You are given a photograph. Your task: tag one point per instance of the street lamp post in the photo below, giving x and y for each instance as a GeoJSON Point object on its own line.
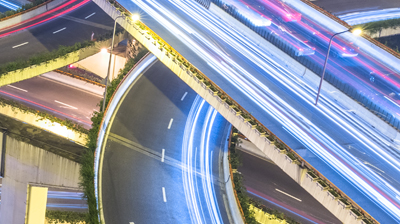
{"type": "Point", "coordinates": [355, 32]}
{"type": "Point", "coordinates": [109, 63]}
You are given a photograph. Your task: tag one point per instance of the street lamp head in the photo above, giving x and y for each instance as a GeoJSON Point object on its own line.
{"type": "Point", "coordinates": [103, 50]}
{"type": "Point", "coordinates": [135, 17]}
{"type": "Point", "coordinates": [356, 31]}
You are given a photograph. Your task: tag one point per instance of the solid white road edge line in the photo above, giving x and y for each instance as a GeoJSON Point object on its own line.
{"type": "Point", "coordinates": [287, 194]}
{"type": "Point", "coordinates": [162, 155]}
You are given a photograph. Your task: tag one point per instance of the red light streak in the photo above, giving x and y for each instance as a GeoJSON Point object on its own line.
{"type": "Point", "coordinates": [43, 106]}
{"type": "Point", "coordinates": [48, 19]}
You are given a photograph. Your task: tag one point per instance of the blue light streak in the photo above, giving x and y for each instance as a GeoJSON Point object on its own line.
{"type": "Point", "coordinates": [9, 5]}
{"type": "Point", "coordinates": [273, 104]}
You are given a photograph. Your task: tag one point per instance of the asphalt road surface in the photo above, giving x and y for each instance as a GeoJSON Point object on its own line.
{"type": "Point", "coordinates": [133, 174]}
{"type": "Point", "coordinates": [260, 89]}
{"type": "Point", "coordinates": [267, 183]}
{"type": "Point", "coordinates": [57, 98]}
{"type": "Point", "coordinates": [339, 7]}
{"type": "Point", "coordinates": [137, 184]}
{"type": "Point", "coordinates": [3, 9]}
{"type": "Point", "coordinates": [66, 30]}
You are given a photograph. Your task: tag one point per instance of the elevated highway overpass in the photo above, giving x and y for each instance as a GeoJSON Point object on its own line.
{"type": "Point", "coordinates": [222, 60]}
{"type": "Point", "coordinates": [190, 136]}
{"type": "Point", "coordinates": [219, 80]}
{"type": "Point", "coordinates": [340, 7]}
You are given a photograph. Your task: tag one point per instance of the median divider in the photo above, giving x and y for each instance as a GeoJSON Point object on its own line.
{"type": "Point", "coordinates": [286, 158]}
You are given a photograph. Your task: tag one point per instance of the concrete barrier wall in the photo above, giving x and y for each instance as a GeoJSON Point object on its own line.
{"type": "Point", "coordinates": [29, 15]}
{"type": "Point", "coordinates": [35, 70]}
{"type": "Point", "coordinates": [292, 168]}
{"type": "Point", "coordinates": [42, 123]}
{"type": "Point", "coordinates": [385, 32]}
{"type": "Point", "coordinates": [26, 164]}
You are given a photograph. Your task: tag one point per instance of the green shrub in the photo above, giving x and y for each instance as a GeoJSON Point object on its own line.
{"type": "Point", "coordinates": [312, 174]}
{"type": "Point", "coordinates": [377, 26]}
{"type": "Point", "coordinates": [66, 216]}
{"type": "Point", "coordinates": [290, 154]}
{"type": "Point", "coordinates": [22, 8]}
{"type": "Point", "coordinates": [25, 109]}
{"type": "Point", "coordinates": [323, 183]}
{"type": "Point", "coordinates": [356, 212]}
{"type": "Point", "coordinates": [334, 193]}
{"type": "Point", "coordinates": [62, 51]}
{"type": "Point", "coordinates": [276, 213]}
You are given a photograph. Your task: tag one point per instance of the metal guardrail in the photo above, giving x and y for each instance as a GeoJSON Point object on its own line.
{"type": "Point", "coordinates": [264, 131]}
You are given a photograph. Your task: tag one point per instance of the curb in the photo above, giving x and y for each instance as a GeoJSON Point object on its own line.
{"type": "Point", "coordinates": [233, 201]}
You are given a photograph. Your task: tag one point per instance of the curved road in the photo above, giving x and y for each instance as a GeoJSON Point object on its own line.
{"type": "Point", "coordinates": [150, 172]}
{"type": "Point", "coordinates": [332, 143]}
{"type": "Point", "coordinates": [134, 174]}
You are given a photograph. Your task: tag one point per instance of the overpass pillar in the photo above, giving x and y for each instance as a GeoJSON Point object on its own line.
{"type": "Point", "coordinates": [27, 165]}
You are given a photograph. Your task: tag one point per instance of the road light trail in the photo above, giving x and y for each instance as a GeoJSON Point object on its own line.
{"type": "Point", "coordinates": [231, 71]}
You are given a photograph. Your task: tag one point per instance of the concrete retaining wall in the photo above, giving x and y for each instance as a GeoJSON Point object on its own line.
{"type": "Point", "coordinates": [29, 15]}
{"type": "Point", "coordinates": [386, 32]}
{"type": "Point", "coordinates": [42, 123]}
{"type": "Point", "coordinates": [35, 70]}
{"type": "Point", "coordinates": [26, 164]}
{"type": "Point", "coordinates": [278, 156]}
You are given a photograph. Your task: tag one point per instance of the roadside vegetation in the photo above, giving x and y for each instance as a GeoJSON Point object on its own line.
{"type": "Point", "coordinates": [371, 28]}
{"type": "Point", "coordinates": [376, 27]}
{"type": "Point", "coordinates": [241, 191]}
{"type": "Point", "coordinates": [27, 110]}
{"type": "Point", "coordinates": [79, 72]}
{"type": "Point", "coordinates": [3, 16]}
{"type": "Point", "coordinates": [87, 163]}
{"type": "Point", "coordinates": [65, 217]}
{"type": "Point", "coordinates": [48, 57]}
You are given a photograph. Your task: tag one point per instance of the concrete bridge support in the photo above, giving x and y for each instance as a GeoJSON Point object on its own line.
{"type": "Point", "coordinates": [27, 165]}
